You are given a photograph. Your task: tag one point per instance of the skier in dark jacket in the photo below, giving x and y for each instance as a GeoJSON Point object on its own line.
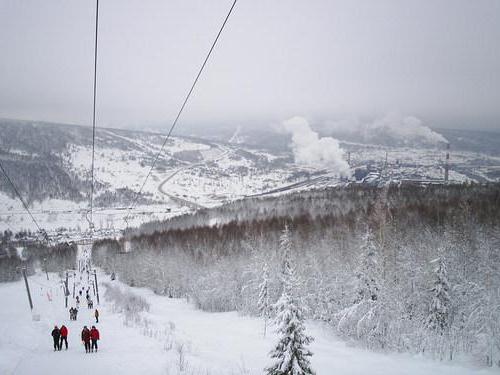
{"type": "Point", "coordinates": [56, 334]}
{"type": "Point", "coordinates": [64, 337]}
{"type": "Point", "coordinates": [86, 339]}
{"type": "Point", "coordinates": [96, 314]}
{"type": "Point", "coordinates": [94, 336]}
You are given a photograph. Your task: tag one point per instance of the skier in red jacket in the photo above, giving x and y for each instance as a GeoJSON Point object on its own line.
{"type": "Point", "coordinates": [94, 336]}
{"type": "Point", "coordinates": [64, 336]}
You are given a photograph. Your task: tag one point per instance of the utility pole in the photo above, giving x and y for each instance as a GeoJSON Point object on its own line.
{"type": "Point", "coordinates": [385, 166]}
{"type": "Point", "coordinates": [27, 287]}
{"type": "Point", "coordinates": [447, 163]}
{"type": "Point", "coordinates": [74, 282]}
{"type": "Point", "coordinates": [96, 286]}
{"type": "Point", "coordinates": [66, 290]}
{"type": "Point", "coordinates": [45, 266]}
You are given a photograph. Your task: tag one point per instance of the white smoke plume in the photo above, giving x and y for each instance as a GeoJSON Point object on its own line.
{"type": "Point", "coordinates": [406, 128]}
{"type": "Point", "coordinates": [392, 128]}
{"type": "Point", "coordinates": [310, 149]}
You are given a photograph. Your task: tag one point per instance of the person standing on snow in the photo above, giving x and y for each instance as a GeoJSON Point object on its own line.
{"type": "Point", "coordinates": [56, 334]}
{"type": "Point", "coordinates": [86, 339]}
{"type": "Point", "coordinates": [96, 316]}
{"type": "Point", "coordinates": [64, 337]}
{"type": "Point", "coordinates": [94, 336]}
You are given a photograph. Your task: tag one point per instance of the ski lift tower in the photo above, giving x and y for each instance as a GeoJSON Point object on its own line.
{"type": "Point", "coordinates": [447, 163]}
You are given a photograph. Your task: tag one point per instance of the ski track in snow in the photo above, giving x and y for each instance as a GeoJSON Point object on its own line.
{"type": "Point", "coordinates": [214, 343]}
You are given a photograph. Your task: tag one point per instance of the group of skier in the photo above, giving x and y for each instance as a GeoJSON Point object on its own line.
{"type": "Point", "coordinates": [89, 338]}
{"type": "Point", "coordinates": [60, 335]}
{"type": "Point", "coordinates": [90, 303]}
{"type": "Point", "coordinates": [73, 312]}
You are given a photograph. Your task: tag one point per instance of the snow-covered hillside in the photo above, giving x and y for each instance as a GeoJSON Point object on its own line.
{"type": "Point", "coordinates": [50, 164]}
{"type": "Point", "coordinates": [169, 337]}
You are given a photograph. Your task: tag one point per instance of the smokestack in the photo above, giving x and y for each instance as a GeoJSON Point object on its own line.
{"type": "Point", "coordinates": [385, 166]}
{"type": "Point", "coordinates": [447, 163]}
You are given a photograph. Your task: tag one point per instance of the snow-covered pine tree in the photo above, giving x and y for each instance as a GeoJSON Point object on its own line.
{"type": "Point", "coordinates": [368, 317]}
{"type": "Point", "coordinates": [368, 273]}
{"type": "Point", "coordinates": [290, 354]}
{"type": "Point", "coordinates": [439, 318]}
{"type": "Point", "coordinates": [285, 248]}
{"type": "Point", "coordinates": [263, 302]}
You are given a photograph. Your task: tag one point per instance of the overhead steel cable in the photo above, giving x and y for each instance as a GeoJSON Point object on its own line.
{"type": "Point", "coordinates": [16, 191]}
{"type": "Point", "coordinates": [182, 108]}
{"type": "Point", "coordinates": [93, 116]}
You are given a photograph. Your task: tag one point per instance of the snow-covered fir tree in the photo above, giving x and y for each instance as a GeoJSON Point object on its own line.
{"type": "Point", "coordinates": [367, 317]}
{"type": "Point", "coordinates": [291, 356]}
{"type": "Point", "coordinates": [439, 317]}
{"type": "Point", "coordinates": [285, 247]}
{"type": "Point", "coordinates": [368, 273]}
{"type": "Point", "coordinates": [263, 302]}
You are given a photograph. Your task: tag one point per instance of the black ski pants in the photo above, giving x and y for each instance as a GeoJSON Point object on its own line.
{"type": "Point", "coordinates": [65, 340]}
{"type": "Point", "coordinates": [56, 343]}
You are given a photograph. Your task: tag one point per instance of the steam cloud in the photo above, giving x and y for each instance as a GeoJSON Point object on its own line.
{"type": "Point", "coordinates": [391, 127]}
{"type": "Point", "coordinates": [310, 149]}
{"type": "Point", "coordinates": [407, 128]}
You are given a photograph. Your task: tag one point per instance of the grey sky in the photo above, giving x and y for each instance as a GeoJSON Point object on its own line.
{"type": "Point", "coordinates": [436, 59]}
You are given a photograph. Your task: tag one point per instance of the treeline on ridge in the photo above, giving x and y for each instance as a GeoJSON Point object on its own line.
{"type": "Point", "coordinates": [371, 262]}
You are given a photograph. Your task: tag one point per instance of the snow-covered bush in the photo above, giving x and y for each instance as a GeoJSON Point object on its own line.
{"type": "Point", "coordinates": [125, 302]}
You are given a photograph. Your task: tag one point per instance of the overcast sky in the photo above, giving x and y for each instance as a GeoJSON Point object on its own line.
{"type": "Point", "coordinates": [434, 59]}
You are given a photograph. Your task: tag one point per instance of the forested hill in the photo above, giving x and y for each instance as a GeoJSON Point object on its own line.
{"type": "Point", "coordinates": [436, 204]}
{"type": "Point", "coordinates": [37, 155]}
{"type": "Point", "coordinates": [31, 154]}
{"type": "Point", "coordinates": [399, 268]}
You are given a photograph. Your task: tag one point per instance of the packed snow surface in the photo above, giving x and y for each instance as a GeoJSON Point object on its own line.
{"type": "Point", "coordinates": [171, 335]}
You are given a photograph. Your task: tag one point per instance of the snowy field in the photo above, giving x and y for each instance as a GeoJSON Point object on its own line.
{"type": "Point", "coordinates": [171, 338]}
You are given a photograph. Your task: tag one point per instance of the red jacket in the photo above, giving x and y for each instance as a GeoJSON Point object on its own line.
{"type": "Point", "coordinates": [64, 331]}
{"type": "Point", "coordinates": [94, 334]}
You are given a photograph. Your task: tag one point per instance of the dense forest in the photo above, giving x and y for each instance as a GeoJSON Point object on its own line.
{"type": "Point", "coordinates": [16, 253]}
{"type": "Point", "coordinates": [398, 268]}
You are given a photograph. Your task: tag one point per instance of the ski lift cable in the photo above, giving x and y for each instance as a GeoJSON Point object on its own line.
{"type": "Point", "coordinates": [181, 109]}
{"type": "Point", "coordinates": [93, 116]}
{"type": "Point", "coordinates": [93, 141]}
{"type": "Point", "coordinates": [16, 191]}
{"type": "Point", "coordinates": [93, 138]}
